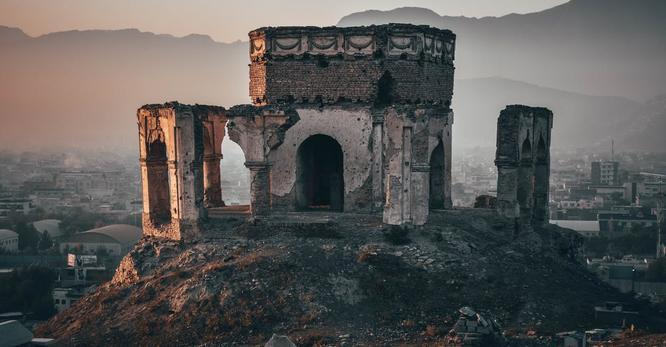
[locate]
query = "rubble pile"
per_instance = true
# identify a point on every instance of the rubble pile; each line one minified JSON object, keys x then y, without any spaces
{"x":472,"y":329}
{"x":243,"y":284}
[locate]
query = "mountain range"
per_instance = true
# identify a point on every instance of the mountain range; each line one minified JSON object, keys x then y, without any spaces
{"x":82,"y":88}
{"x":596,"y":47}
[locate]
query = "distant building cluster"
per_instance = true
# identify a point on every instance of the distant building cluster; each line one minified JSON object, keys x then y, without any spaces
{"x":56,"y":184}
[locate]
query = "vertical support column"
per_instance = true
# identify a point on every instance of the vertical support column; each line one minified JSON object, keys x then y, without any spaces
{"x":377,"y":162}
{"x":213,"y":135}
{"x":420,"y":192}
{"x":448,"y":152}
{"x":259,"y":187}
{"x":212,"y":181}
{"x":406,"y":193}
{"x":541,"y":187}
{"x":186,"y":171}
{"x":525,"y":191}
{"x":507,"y":181}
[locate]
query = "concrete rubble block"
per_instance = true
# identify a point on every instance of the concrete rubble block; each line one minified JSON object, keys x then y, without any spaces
{"x":279,"y":341}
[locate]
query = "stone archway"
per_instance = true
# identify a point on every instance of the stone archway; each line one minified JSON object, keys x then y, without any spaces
{"x":320,"y":174}
{"x":437,"y":177}
{"x":157,"y":176}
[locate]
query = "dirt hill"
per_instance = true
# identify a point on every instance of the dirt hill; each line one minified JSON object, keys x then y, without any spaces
{"x":333,"y":281}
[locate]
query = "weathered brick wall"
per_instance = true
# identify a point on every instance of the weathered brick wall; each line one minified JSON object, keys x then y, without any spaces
{"x":308,"y":81}
{"x":313,"y":65}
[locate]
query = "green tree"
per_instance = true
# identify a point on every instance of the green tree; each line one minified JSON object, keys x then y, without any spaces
{"x":657,"y":270}
{"x":28,"y":289}
{"x":45,"y":241}
{"x":28,"y":235}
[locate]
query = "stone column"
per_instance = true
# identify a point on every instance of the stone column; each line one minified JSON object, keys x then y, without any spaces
{"x":525,"y":191}
{"x":420,"y":193}
{"x":212,"y":181}
{"x":186,"y":172}
{"x":448,"y":153}
{"x":541,"y":187}
{"x":377,"y":162}
{"x":259,"y":187}
{"x":507,"y":202}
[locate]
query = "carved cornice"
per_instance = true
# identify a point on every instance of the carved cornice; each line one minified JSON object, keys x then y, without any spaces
{"x":394,"y":40}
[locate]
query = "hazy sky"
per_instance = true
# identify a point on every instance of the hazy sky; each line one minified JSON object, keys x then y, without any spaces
{"x":224,"y":20}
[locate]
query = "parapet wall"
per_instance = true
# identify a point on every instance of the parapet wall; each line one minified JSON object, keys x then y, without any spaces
{"x":394,"y":63}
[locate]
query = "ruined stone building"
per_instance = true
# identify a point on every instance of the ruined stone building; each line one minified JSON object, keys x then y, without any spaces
{"x":523,"y":163}
{"x":342,"y":119}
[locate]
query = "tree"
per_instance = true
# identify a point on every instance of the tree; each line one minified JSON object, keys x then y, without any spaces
{"x":28,"y":289}
{"x":28,"y":235}
{"x":657,"y":270}
{"x":45,"y":241}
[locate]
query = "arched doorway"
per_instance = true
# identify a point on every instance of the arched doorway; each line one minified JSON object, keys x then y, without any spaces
{"x":319,"y":174}
{"x":158,"y":180}
{"x":437,"y":177}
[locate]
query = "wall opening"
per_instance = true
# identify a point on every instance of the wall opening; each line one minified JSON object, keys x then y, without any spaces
{"x":320,"y":174}
{"x":235,"y":177}
{"x":437,"y":177}
{"x":525,"y":188}
{"x":385,"y":90}
{"x":158,"y":181}
{"x":526,"y":150}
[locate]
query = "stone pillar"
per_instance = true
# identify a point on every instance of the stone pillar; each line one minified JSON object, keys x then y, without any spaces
{"x":448,"y":152}
{"x":212,"y":181}
{"x":397,"y":207}
{"x":420,"y":193}
{"x":259,"y":187}
{"x":377,"y":162}
{"x":507,"y":201}
{"x":525,"y":191}
{"x":186,"y":172}
{"x":407,"y":175}
{"x":541,"y":187}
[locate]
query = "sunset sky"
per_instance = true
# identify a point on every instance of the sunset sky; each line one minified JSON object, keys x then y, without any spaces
{"x":224,"y":21}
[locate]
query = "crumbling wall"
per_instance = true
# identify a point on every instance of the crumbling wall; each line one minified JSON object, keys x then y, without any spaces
{"x":378,"y":97}
{"x":412,"y":133}
{"x":351,"y":127}
{"x":523,"y":163}
{"x":329,"y":65}
{"x":177,"y":130}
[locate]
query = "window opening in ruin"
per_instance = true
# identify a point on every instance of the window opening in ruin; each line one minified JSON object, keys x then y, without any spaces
{"x":158,"y":179}
{"x":235,"y":177}
{"x":542,"y":154}
{"x":319,"y":174}
{"x":385,"y":89}
{"x":525,"y":176}
{"x":437,"y":177}
{"x":526,"y":150}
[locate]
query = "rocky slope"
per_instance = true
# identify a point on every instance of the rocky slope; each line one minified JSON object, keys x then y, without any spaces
{"x":351,"y":280}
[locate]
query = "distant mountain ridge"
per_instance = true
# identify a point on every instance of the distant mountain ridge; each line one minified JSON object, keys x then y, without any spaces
{"x":12,"y":35}
{"x":597,"y":47}
{"x":82,"y":88}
